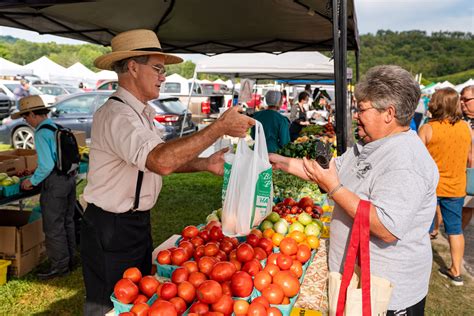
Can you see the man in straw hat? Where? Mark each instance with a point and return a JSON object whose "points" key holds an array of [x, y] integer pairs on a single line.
{"points": [[58, 191], [127, 160]]}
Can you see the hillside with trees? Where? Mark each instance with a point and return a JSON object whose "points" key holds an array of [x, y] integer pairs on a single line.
{"points": [[439, 56]]}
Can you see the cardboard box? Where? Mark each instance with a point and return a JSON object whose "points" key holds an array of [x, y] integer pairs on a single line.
{"points": [[29, 155], [80, 138], [11, 164], [20, 241]]}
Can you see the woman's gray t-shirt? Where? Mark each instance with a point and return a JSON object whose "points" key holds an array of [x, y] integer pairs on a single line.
{"points": [[399, 177]]}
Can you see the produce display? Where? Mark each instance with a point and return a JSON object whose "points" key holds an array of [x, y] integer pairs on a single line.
{"points": [[287, 185], [6, 181], [308, 148], [218, 275]]}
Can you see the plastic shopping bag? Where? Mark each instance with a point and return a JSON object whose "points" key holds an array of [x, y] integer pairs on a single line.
{"points": [[247, 192]]}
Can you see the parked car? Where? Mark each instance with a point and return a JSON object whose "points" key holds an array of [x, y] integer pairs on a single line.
{"points": [[56, 90], [75, 112], [170, 112], [8, 86], [7, 105]]}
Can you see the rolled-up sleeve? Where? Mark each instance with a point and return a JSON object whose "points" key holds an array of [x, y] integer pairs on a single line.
{"points": [[397, 196], [132, 140]]}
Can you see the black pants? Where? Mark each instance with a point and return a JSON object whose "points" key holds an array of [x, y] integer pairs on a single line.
{"points": [[415, 310], [57, 201], [111, 243]]}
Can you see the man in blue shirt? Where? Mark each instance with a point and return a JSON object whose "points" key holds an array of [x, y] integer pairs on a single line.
{"points": [[58, 191]]}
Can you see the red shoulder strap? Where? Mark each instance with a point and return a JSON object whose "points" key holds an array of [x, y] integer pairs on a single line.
{"points": [[359, 243]]}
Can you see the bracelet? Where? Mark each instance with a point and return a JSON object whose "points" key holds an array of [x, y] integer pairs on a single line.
{"points": [[333, 191]]}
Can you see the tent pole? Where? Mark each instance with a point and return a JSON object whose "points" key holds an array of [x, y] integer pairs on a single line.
{"points": [[191, 89], [357, 60]]}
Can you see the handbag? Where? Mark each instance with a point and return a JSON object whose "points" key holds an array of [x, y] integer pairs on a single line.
{"points": [[470, 181], [357, 292]]}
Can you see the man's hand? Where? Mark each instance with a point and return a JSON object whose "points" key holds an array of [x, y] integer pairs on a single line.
{"points": [[327, 179], [278, 162], [235, 124], [215, 162], [26, 185]]}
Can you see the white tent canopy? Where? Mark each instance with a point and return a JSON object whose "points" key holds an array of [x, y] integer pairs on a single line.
{"points": [[47, 69], [291, 65], [461, 86], [219, 81], [106, 75], [80, 71], [9, 68]]}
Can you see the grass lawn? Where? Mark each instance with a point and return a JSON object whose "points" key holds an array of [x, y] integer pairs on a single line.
{"points": [[187, 199]]}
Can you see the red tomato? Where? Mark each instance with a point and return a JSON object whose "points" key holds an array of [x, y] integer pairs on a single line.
{"points": [[162, 308], [196, 278], [305, 202], [245, 252], [187, 291], [179, 275], [191, 266], [222, 271], [226, 290], [272, 258], [236, 263], [204, 234], [256, 309], [197, 241], [168, 291], [288, 283], [273, 311], [190, 232], [140, 299], [252, 240], [262, 300], [272, 269], [206, 264], [140, 309], [216, 233], [199, 308], [284, 262], [126, 291], [241, 284], [297, 268], [286, 301], [211, 249], [148, 285], [188, 248], [262, 280], [179, 305], [198, 253], [221, 256], [212, 224], [209, 292], [213, 314], [303, 253], [274, 294], [260, 254], [226, 246], [133, 274], [233, 254], [266, 244], [252, 267], [127, 314], [178, 256], [234, 241], [164, 257], [288, 246], [224, 305], [241, 307]]}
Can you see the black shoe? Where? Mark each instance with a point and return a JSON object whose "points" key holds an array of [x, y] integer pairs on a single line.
{"points": [[455, 280], [53, 274]]}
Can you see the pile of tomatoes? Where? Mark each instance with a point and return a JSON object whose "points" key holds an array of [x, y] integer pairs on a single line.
{"points": [[218, 275]]}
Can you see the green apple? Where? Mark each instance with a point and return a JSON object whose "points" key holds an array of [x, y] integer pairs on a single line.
{"points": [[319, 223], [266, 224], [219, 213], [296, 226], [281, 227], [212, 217], [305, 218], [312, 229], [273, 217]]}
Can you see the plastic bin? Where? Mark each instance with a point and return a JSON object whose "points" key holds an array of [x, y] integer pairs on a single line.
{"points": [[164, 270], [120, 307], [3, 271], [83, 167], [11, 190]]}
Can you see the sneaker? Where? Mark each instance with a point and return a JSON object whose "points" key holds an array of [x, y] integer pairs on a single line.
{"points": [[455, 280]]}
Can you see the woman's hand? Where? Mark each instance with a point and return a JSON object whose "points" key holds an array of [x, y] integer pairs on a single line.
{"points": [[327, 179], [278, 162]]}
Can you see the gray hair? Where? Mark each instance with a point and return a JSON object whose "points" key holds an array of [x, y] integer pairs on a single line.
{"points": [[121, 66], [390, 85], [467, 88]]}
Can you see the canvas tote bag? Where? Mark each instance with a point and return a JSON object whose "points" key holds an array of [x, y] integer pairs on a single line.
{"points": [[356, 292], [247, 190]]}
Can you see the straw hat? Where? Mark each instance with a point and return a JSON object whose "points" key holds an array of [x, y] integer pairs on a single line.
{"points": [[133, 43], [29, 104]]}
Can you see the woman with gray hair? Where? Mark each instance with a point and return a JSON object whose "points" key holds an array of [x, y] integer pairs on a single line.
{"points": [[391, 168]]}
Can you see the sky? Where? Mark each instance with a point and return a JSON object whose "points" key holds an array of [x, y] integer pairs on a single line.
{"points": [[372, 15]]}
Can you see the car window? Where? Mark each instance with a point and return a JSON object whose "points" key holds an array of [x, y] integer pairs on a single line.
{"points": [[13, 86], [196, 89], [3, 91], [113, 85], [82, 104], [51, 90], [72, 90], [170, 106], [172, 87], [100, 100]]}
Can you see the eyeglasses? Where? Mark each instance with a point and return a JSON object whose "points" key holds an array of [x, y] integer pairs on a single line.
{"points": [[359, 111], [465, 100], [160, 69]]}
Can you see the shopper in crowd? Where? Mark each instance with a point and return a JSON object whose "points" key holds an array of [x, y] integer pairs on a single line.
{"points": [[298, 115], [467, 106], [127, 161], [23, 90], [275, 125], [392, 169], [58, 191], [448, 139], [284, 102]]}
